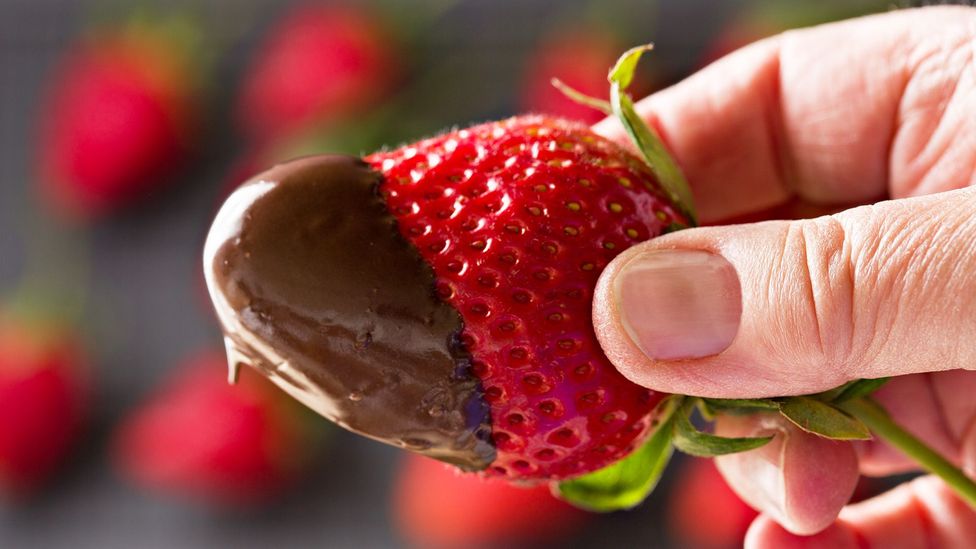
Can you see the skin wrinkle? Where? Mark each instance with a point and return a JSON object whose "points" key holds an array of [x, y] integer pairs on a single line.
{"points": [[943, 147], [968, 245], [827, 234], [923, 108], [873, 277], [929, 270], [850, 295], [895, 275], [793, 245], [937, 271], [809, 280]]}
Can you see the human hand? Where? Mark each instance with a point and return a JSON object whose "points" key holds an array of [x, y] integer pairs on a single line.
{"points": [[808, 122]]}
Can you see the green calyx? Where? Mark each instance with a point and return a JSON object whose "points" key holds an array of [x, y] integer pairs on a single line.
{"points": [[845, 413]]}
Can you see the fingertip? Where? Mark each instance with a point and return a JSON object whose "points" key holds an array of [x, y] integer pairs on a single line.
{"points": [[801, 480], [765, 533]]}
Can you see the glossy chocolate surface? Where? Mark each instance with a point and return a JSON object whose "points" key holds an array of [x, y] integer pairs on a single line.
{"points": [[316, 288]]}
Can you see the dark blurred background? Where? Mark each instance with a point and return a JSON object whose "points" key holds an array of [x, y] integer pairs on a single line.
{"points": [[128, 281]]}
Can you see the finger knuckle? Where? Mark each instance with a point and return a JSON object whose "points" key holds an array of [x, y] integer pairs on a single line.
{"points": [[824, 273]]}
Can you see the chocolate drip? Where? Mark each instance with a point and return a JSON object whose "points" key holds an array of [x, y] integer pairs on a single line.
{"points": [[316, 288]]}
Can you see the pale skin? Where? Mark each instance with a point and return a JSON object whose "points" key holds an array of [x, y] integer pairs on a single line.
{"points": [[823, 120]]}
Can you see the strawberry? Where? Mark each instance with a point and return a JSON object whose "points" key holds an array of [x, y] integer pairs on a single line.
{"points": [[117, 122], [516, 219], [319, 62], [201, 438], [44, 389], [435, 506], [703, 511], [579, 57]]}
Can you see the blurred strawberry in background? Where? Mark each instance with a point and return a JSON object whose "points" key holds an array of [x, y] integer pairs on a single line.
{"points": [[435, 506], [227, 445], [580, 57], [44, 401], [703, 512], [119, 117], [318, 63]]}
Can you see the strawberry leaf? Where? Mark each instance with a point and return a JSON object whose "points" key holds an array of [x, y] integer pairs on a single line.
{"points": [[628, 482], [648, 142], [822, 419], [622, 73], [690, 440]]}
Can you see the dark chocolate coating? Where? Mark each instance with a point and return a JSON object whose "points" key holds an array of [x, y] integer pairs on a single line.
{"points": [[325, 297]]}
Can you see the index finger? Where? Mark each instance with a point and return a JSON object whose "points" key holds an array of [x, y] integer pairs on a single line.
{"points": [[839, 114]]}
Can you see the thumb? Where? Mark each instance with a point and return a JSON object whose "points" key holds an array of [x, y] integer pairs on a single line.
{"points": [[793, 307]]}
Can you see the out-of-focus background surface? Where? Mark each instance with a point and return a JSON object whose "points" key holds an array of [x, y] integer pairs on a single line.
{"points": [[112, 257]]}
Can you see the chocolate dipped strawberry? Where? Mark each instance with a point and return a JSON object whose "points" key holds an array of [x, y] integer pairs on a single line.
{"points": [[437, 296]]}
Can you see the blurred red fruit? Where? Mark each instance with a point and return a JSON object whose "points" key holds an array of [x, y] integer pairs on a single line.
{"points": [[435, 506], [703, 511], [44, 389], [117, 121], [578, 57], [223, 444], [319, 63]]}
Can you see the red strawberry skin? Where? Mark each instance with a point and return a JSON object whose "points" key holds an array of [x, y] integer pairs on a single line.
{"points": [[204, 439], [435, 506], [319, 62], [579, 57], [44, 390], [517, 219], [116, 123]]}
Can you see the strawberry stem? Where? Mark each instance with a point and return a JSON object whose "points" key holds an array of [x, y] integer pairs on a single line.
{"points": [[881, 424], [582, 98]]}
